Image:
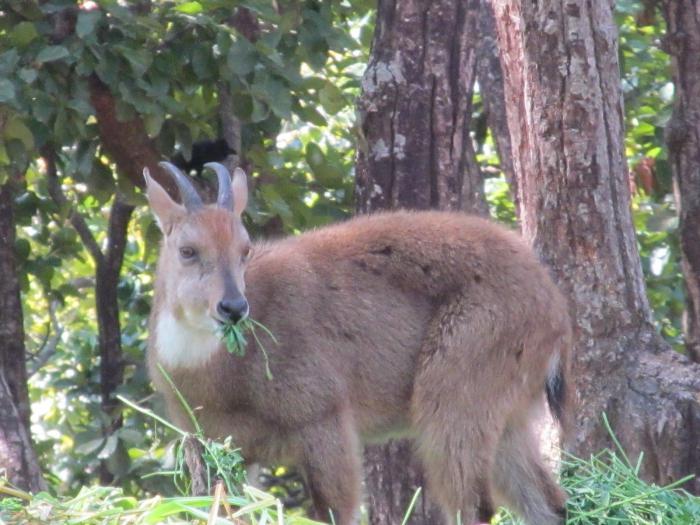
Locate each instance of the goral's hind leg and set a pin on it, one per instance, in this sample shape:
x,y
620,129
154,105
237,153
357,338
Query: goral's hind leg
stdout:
x,y
521,479
461,395
332,467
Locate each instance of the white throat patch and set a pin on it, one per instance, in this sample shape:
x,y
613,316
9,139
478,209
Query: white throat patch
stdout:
x,y
180,346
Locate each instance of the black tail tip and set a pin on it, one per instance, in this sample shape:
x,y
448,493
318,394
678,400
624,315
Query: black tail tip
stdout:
x,y
556,395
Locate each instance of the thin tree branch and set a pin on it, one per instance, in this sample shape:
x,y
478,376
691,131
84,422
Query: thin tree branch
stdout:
x,y
50,345
77,220
117,231
127,143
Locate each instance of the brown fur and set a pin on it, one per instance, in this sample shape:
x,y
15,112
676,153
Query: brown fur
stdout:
x,y
436,326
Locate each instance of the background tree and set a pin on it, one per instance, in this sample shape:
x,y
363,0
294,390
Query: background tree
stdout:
x,y
682,42
16,450
415,151
490,79
565,119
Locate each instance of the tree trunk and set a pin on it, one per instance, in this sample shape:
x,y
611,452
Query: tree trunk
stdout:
x,y
414,113
682,42
127,143
415,152
490,78
107,274
17,456
565,113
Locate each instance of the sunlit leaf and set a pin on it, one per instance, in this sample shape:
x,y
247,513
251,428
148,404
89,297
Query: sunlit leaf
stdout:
x,y
23,34
189,8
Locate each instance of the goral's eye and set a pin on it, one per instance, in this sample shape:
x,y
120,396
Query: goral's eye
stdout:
x,y
188,253
245,253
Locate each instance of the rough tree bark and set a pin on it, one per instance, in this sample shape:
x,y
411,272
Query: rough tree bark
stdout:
x,y
414,148
682,42
126,142
560,60
17,457
415,152
489,74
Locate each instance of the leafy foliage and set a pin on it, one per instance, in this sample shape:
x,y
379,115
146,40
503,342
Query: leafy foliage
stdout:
x,y
648,92
292,84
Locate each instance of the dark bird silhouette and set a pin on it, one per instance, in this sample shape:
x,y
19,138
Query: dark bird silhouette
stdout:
x,y
203,151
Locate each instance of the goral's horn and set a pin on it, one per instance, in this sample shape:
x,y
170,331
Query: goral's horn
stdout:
x,y
190,197
225,198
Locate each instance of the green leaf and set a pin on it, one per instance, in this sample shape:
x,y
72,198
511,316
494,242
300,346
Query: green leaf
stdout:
x,y
52,53
110,447
44,272
153,123
308,114
331,98
85,157
131,435
87,21
324,171
278,97
139,59
28,75
190,8
16,129
276,203
22,249
242,105
643,128
260,111
314,156
43,108
241,58
23,33
89,447
7,90
203,64
4,161
60,125
8,61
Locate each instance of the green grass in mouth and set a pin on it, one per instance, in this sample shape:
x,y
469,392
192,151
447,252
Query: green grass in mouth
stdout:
x,y
234,337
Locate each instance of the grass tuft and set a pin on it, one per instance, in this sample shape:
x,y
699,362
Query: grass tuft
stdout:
x,y
606,489
603,490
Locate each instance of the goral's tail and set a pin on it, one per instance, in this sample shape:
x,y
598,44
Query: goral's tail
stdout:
x,y
557,385
556,389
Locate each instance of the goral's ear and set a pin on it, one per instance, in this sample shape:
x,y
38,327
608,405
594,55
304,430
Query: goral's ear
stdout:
x,y
166,210
239,187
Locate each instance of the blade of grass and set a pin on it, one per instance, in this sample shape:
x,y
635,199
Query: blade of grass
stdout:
x,y
412,504
151,414
268,372
214,512
15,493
183,401
618,445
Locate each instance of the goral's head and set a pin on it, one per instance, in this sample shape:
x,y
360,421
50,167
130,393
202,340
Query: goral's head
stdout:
x,y
205,249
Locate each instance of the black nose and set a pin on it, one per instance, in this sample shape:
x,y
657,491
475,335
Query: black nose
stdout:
x,y
233,309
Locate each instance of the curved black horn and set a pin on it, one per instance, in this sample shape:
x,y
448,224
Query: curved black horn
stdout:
x,y
225,198
190,197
